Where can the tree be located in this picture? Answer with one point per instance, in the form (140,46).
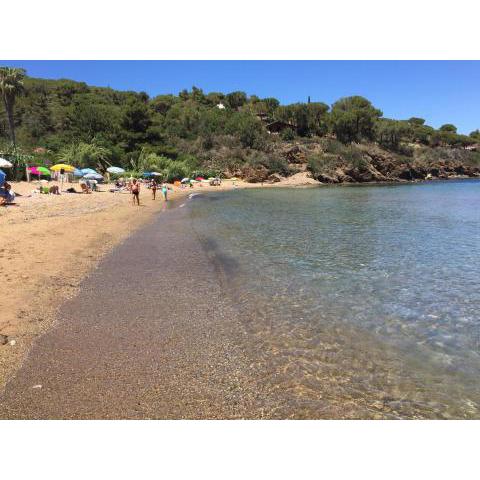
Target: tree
(11,85)
(248,129)
(162,103)
(475,134)
(416,121)
(135,122)
(271,104)
(301,119)
(286,113)
(182,120)
(419,132)
(236,99)
(317,113)
(214,98)
(34,116)
(85,155)
(354,119)
(197,95)
(86,119)
(391,132)
(448,127)
(309,118)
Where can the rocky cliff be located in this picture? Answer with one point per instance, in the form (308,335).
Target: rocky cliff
(328,161)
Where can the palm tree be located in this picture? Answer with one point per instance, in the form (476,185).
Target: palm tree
(85,155)
(11,85)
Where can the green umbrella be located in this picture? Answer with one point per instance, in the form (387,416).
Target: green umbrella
(44,170)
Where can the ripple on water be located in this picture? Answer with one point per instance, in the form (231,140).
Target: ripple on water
(358,302)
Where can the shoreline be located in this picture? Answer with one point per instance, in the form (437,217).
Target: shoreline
(52,243)
(164,358)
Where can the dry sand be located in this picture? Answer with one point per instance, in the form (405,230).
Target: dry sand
(48,243)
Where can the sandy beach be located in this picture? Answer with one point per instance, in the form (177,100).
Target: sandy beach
(48,243)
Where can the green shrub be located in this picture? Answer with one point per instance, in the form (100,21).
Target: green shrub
(273,163)
(288,135)
(323,163)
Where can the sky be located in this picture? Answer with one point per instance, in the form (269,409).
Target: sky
(439,91)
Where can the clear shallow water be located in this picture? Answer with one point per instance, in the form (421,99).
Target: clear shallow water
(358,301)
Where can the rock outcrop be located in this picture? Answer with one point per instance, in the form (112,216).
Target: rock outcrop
(362,163)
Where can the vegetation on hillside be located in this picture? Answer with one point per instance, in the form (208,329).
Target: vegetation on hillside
(45,121)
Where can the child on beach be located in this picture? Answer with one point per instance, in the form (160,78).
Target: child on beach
(7,195)
(165,191)
(135,191)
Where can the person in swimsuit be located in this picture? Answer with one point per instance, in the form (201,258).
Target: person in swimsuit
(165,191)
(135,191)
(153,186)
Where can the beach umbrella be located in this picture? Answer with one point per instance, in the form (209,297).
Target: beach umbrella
(2,177)
(86,171)
(115,170)
(62,166)
(199,179)
(185,180)
(156,174)
(39,171)
(43,171)
(93,176)
(5,163)
(78,173)
(147,174)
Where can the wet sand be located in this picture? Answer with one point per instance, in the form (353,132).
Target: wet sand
(149,335)
(48,243)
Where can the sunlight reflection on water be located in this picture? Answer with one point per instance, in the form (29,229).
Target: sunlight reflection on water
(359,301)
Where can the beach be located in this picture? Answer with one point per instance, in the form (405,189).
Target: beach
(202,309)
(48,243)
(149,336)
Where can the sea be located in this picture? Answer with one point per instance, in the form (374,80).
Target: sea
(359,301)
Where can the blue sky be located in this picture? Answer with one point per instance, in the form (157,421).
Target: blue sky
(439,91)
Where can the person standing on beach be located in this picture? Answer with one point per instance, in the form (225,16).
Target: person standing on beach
(135,191)
(165,191)
(153,186)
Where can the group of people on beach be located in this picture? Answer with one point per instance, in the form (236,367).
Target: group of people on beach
(134,188)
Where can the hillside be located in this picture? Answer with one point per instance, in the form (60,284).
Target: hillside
(227,134)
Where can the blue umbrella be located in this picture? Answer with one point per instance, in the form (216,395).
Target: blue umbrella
(2,177)
(78,173)
(147,174)
(86,171)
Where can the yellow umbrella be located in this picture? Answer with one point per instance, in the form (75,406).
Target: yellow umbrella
(59,166)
